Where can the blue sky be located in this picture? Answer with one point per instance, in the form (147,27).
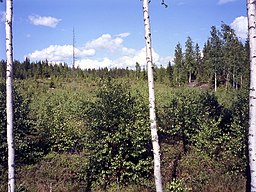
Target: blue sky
(110,33)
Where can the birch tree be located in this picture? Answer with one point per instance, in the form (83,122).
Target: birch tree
(152,111)
(251,10)
(9,95)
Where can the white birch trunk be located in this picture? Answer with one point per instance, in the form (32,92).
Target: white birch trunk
(251,10)
(149,60)
(241,81)
(190,78)
(215,81)
(9,96)
(234,79)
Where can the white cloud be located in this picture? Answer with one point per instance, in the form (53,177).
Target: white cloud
(121,62)
(240,25)
(111,44)
(60,53)
(110,50)
(2,16)
(221,2)
(122,35)
(44,21)
(94,63)
(106,41)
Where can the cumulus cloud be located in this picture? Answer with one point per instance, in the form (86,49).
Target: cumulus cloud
(121,62)
(221,2)
(44,21)
(106,41)
(111,44)
(2,16)
(240,25)
(60,53)
(105,51)
(93,63)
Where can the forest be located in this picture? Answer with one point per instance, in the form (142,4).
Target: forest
(88,130)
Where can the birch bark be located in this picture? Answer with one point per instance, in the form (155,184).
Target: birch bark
(251,10)
(9,95)
(152,111)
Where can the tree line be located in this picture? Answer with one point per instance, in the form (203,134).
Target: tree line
(223,61)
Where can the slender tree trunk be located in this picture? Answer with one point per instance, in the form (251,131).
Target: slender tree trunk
(215,81)
(190,77)
(155,143)
(241,81)
(9,96)
(251,10)
(234,80)
(227,81)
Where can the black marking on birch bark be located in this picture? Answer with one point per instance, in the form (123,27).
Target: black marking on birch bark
(251,27)
(154,138)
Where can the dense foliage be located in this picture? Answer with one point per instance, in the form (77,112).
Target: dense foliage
(118,136)
(27,147)
(76,130)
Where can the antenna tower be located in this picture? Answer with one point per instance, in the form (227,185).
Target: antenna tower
(74,57)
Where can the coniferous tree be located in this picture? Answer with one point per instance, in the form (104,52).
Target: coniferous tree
(230,54)
(138,70)
(189,59)
(215,54)
(205,72)
(178,68)
(245,66)
(169,71)
(198,61)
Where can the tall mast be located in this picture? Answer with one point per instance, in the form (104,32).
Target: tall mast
(74,57)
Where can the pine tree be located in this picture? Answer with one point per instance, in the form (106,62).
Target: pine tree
(189,58)
(198,62)
(231,50)
(169,71)
(179,69)
(215,54)
(205,72)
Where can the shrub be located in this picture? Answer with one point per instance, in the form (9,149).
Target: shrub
(118,137)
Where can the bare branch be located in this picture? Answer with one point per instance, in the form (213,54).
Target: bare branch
(164,4)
